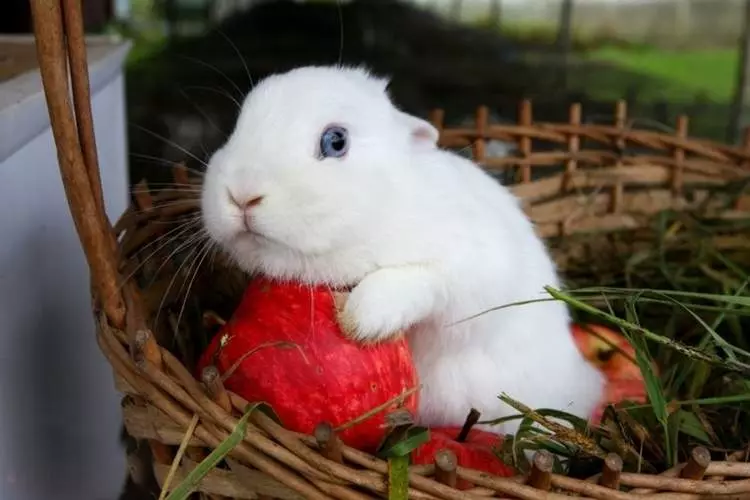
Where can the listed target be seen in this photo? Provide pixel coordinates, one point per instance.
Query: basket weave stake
(168, 407)
(81, 181)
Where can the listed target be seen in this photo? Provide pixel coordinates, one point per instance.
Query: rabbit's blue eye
(334, 142)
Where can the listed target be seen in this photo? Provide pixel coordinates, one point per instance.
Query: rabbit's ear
(422, 132)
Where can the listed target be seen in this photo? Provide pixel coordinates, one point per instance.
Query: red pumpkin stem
(471, 419)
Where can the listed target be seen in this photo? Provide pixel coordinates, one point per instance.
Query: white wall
(59, 412)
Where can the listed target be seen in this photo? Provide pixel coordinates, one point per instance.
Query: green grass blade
(726, 299)
(191, 482)
(700, 372)
(617, 294)
(501, 420)
(645, 363)
(677, 346)
(728, 348)
(413, 438)
(731, 265)
(690, 424)
(696, 307)
(718, 400)
(699, 375)
(671, 437)
(653, 385)
(398, 478)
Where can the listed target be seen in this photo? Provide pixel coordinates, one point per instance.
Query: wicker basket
(600, 188)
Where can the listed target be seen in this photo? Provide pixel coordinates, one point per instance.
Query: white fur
(427, 237)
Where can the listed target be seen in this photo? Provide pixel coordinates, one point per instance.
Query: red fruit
(477, 451)
(614, 356)
(297, 360)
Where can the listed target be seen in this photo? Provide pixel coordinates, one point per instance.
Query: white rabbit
(324, 180)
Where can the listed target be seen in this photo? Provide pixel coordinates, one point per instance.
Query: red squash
(477, 451)
(297, 360)
(614, 356)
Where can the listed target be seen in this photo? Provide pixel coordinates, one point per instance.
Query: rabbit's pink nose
(252, 202)
(245, 207)
(245, 204)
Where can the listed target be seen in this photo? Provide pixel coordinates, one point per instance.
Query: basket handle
(75, 143)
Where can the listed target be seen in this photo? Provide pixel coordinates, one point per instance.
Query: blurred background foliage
(190, 61)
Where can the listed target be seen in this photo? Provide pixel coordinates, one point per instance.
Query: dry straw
(602, 186)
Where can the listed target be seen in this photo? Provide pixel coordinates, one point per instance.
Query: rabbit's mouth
(254, 237)
(249, 232)
(252, 234)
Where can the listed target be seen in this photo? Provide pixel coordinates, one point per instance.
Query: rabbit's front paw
(387, 302)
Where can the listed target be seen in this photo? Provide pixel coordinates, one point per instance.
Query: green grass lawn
(659, 73)
(684, 74)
